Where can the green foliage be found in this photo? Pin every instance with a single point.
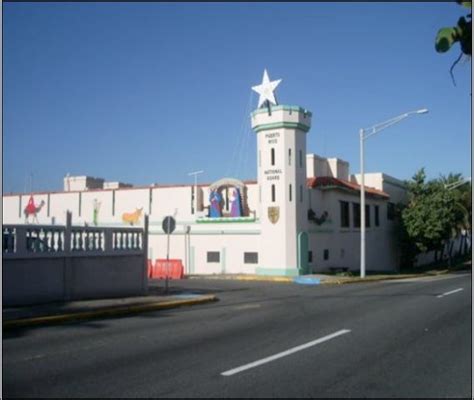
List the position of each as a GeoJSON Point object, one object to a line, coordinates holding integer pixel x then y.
{"type": "Point", "coordinates": [461, 33]}
{"type": "Point", "coordinates": [433, 214]}
{"type": "Point", "coordinates": [445, 39]}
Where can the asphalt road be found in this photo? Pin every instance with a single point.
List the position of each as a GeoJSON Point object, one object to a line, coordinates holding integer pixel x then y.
{"type": "Point", "coordinates": [387, 339]}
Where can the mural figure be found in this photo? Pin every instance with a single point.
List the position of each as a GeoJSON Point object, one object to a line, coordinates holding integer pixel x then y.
{"type": "Point", "coordinates": [32, 209]}
{"type": "Point", "coordinates": [132, 218]}
{"type": "Point", "coordinates": [215, 210]}
{"type": "Point", "coordinates": [96, 212]}
{"type": "Point", "coordinates": [236, 204]}
{"type": "Point", "coordinates": [319, 221]}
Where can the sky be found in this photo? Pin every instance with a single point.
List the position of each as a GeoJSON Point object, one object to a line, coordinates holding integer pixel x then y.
{"type": "Point", "coordinates": [145, 93]}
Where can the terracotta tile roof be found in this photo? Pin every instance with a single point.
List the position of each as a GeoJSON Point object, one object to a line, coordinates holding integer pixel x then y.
{"type": "Point", "coordinates": [330, 182]}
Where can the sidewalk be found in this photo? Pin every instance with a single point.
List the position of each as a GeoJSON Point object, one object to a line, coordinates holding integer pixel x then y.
{"type": "Point", "coordinates": [325, 279]}
{"type": "Point", "coordinates": [51, 313]}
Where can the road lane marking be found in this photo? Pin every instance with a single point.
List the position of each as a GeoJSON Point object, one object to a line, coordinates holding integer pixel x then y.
{"type": "Point", "coordinates": [426, 279]}
{"type": "Point", "coordinates": [247, 306]}
{"type": "Point", "coordinates": [284, 353]}
{"type": "Point", "coordinates": [448, 293]}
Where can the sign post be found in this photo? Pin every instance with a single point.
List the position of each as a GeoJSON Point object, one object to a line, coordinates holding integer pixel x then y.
{"type": "Point", "coordinates": [168, 225]}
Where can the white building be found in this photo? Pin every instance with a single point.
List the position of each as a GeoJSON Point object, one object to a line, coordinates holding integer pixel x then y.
{"type": "Point", "coordinates": [300, 216]}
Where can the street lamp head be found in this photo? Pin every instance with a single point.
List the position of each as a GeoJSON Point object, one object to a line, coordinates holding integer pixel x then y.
{"type": "Point", "coordinates": [422, 111]}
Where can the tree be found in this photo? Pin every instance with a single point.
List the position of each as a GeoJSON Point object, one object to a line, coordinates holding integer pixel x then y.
{"type": "Point", "coordinates": [461, 33]}
{"type": "Point", "coordinates": [432, 217]}
{"type": "Point", "coordinates": [462, 198]}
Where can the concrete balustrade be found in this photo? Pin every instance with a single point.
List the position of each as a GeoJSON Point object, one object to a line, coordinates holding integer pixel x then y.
{"type": "Point", "coordinates": [43, 263]}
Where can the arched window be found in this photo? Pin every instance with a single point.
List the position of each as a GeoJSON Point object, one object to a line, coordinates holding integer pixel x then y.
{"type": "Point", "coordinates": [273, 193]}
{"type": "Point", "coordinates": [273, 156]}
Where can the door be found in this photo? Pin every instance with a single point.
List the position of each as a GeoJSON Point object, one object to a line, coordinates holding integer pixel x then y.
{"type": "Point", "coordinates": [303, 253]}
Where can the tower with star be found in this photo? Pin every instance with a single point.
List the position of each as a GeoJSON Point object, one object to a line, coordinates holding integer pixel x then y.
{"type": "Point", "coordinates": [281, 163]}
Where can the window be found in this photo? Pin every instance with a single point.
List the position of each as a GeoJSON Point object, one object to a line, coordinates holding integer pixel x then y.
{"type": "Point", "coordinates": [273, 156]}
{"type": "Point", "coordinates": [356, 214]}
{"type": "Point", "coordinates": [290, 191]}
{"type": "Point", "coordinates": [192, 199]}
{"type": "Point", "coordinates": [310, 257]}
{"type": "Point", "coordinates": [326, 254]}
{"type": "Point", "coordinates": [367, 216]}
{"type": "Point", "coordinates": [213, 256]}
{"type": "Point", "coordinates": [289, 157]}
{"type": "Point", "coordinates": [273, 193]}
{"type": "Point", "coordinates": [49, 203]}
{"type": "Point", "coordinates": [301, 158]}
{"type": "Point", "coordinates": [301, 193]}
{"type": "Point", "coordinates": [251, 258]}
{"type": "Point", "coordinates": [376, 210]}
{"type": "Point", "coordinates": [113, 202]}
{"type": "Point", "coordinates": [390, 211]}
{"type": "Point", "coordinates": [345, 223]}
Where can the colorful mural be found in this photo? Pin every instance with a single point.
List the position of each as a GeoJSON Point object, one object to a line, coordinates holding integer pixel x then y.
{"type": "Point", "coordinates": [96, 209]}
{"type": "Point", "coordinates": [227, 198]}
{"type": "Point", "coordinates": [236, 204]}
{"type": "Point", "coordinates": [215, 209]}
{"type": "Point", "coordinates": [313, 218]}
{"type": "Point", "coordinates": [132, 218]}
{"type": "Point", "coordinates": [32, 209]}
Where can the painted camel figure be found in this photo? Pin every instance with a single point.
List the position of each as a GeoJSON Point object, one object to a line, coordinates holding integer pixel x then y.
{"type": "Point", "coordinates": [132, 218]}
{"type": "Point", "coordinates": [32, 209]}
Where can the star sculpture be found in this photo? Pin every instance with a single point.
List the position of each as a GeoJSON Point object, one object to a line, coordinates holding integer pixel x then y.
{"type": "Point", "coordinates": [266, 89]}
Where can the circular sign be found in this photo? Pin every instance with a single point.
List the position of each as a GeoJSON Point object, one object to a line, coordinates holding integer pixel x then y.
{"type": "Point", "coordinates": [169, 224]}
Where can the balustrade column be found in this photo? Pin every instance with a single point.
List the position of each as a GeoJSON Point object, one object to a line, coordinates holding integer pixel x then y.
{"type": "Point", "coordinates": [68, 283]}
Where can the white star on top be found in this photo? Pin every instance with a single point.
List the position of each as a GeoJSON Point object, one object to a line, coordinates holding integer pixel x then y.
{"type": "Point", "coordinates": [266, 89]}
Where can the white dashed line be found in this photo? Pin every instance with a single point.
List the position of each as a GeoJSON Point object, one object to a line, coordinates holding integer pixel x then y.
{"type": "Point", "coordinates": [448, 293]}
{"type": "Point", "coordinates": [284, 353]}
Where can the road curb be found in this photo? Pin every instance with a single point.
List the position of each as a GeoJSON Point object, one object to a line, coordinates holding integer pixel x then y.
{"type": "Point", "coordinates": [281, 279]}
{"type": "Point", "coordinates": [331, 281]}
{"type": "Point", "coordinates": [376, 279]}
{"type": "Point", "coordinates": [106, 312]}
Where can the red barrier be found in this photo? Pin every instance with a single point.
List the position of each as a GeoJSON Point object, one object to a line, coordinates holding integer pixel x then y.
{"type": "Point", "coordinates": [173, 268]}
{"type": "Point", "coordinates": [150, 268]}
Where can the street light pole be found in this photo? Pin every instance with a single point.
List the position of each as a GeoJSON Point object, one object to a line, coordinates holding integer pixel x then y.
{"type": "Point", "coordinates": [363, 135]}
{"type": "Point", "coordinates": [362, 206]}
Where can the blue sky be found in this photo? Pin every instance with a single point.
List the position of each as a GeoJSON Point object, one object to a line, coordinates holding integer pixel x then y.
{"type": "Point", "coordinates": [145, 93]}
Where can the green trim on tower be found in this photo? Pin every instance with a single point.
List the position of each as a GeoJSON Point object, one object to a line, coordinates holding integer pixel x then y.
{"type": "Point", "coordinates": [284, 108]}
{"type": "Point", "coordinates": [277, 271]}
{"type": "Point", "coordinates": [225, 220]}
{"type": "Point", "coordinates": [281, 124]}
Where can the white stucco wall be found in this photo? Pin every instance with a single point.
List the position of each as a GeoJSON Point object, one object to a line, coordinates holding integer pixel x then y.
{"type": "Point", "coordinates": [343, 243]}
{"type": "Point", "coordinates": [394, 187]}
{"type": "Point", "coordinates": [281, 164]}
{"type": "Point", "coordinates": [230, 240]}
